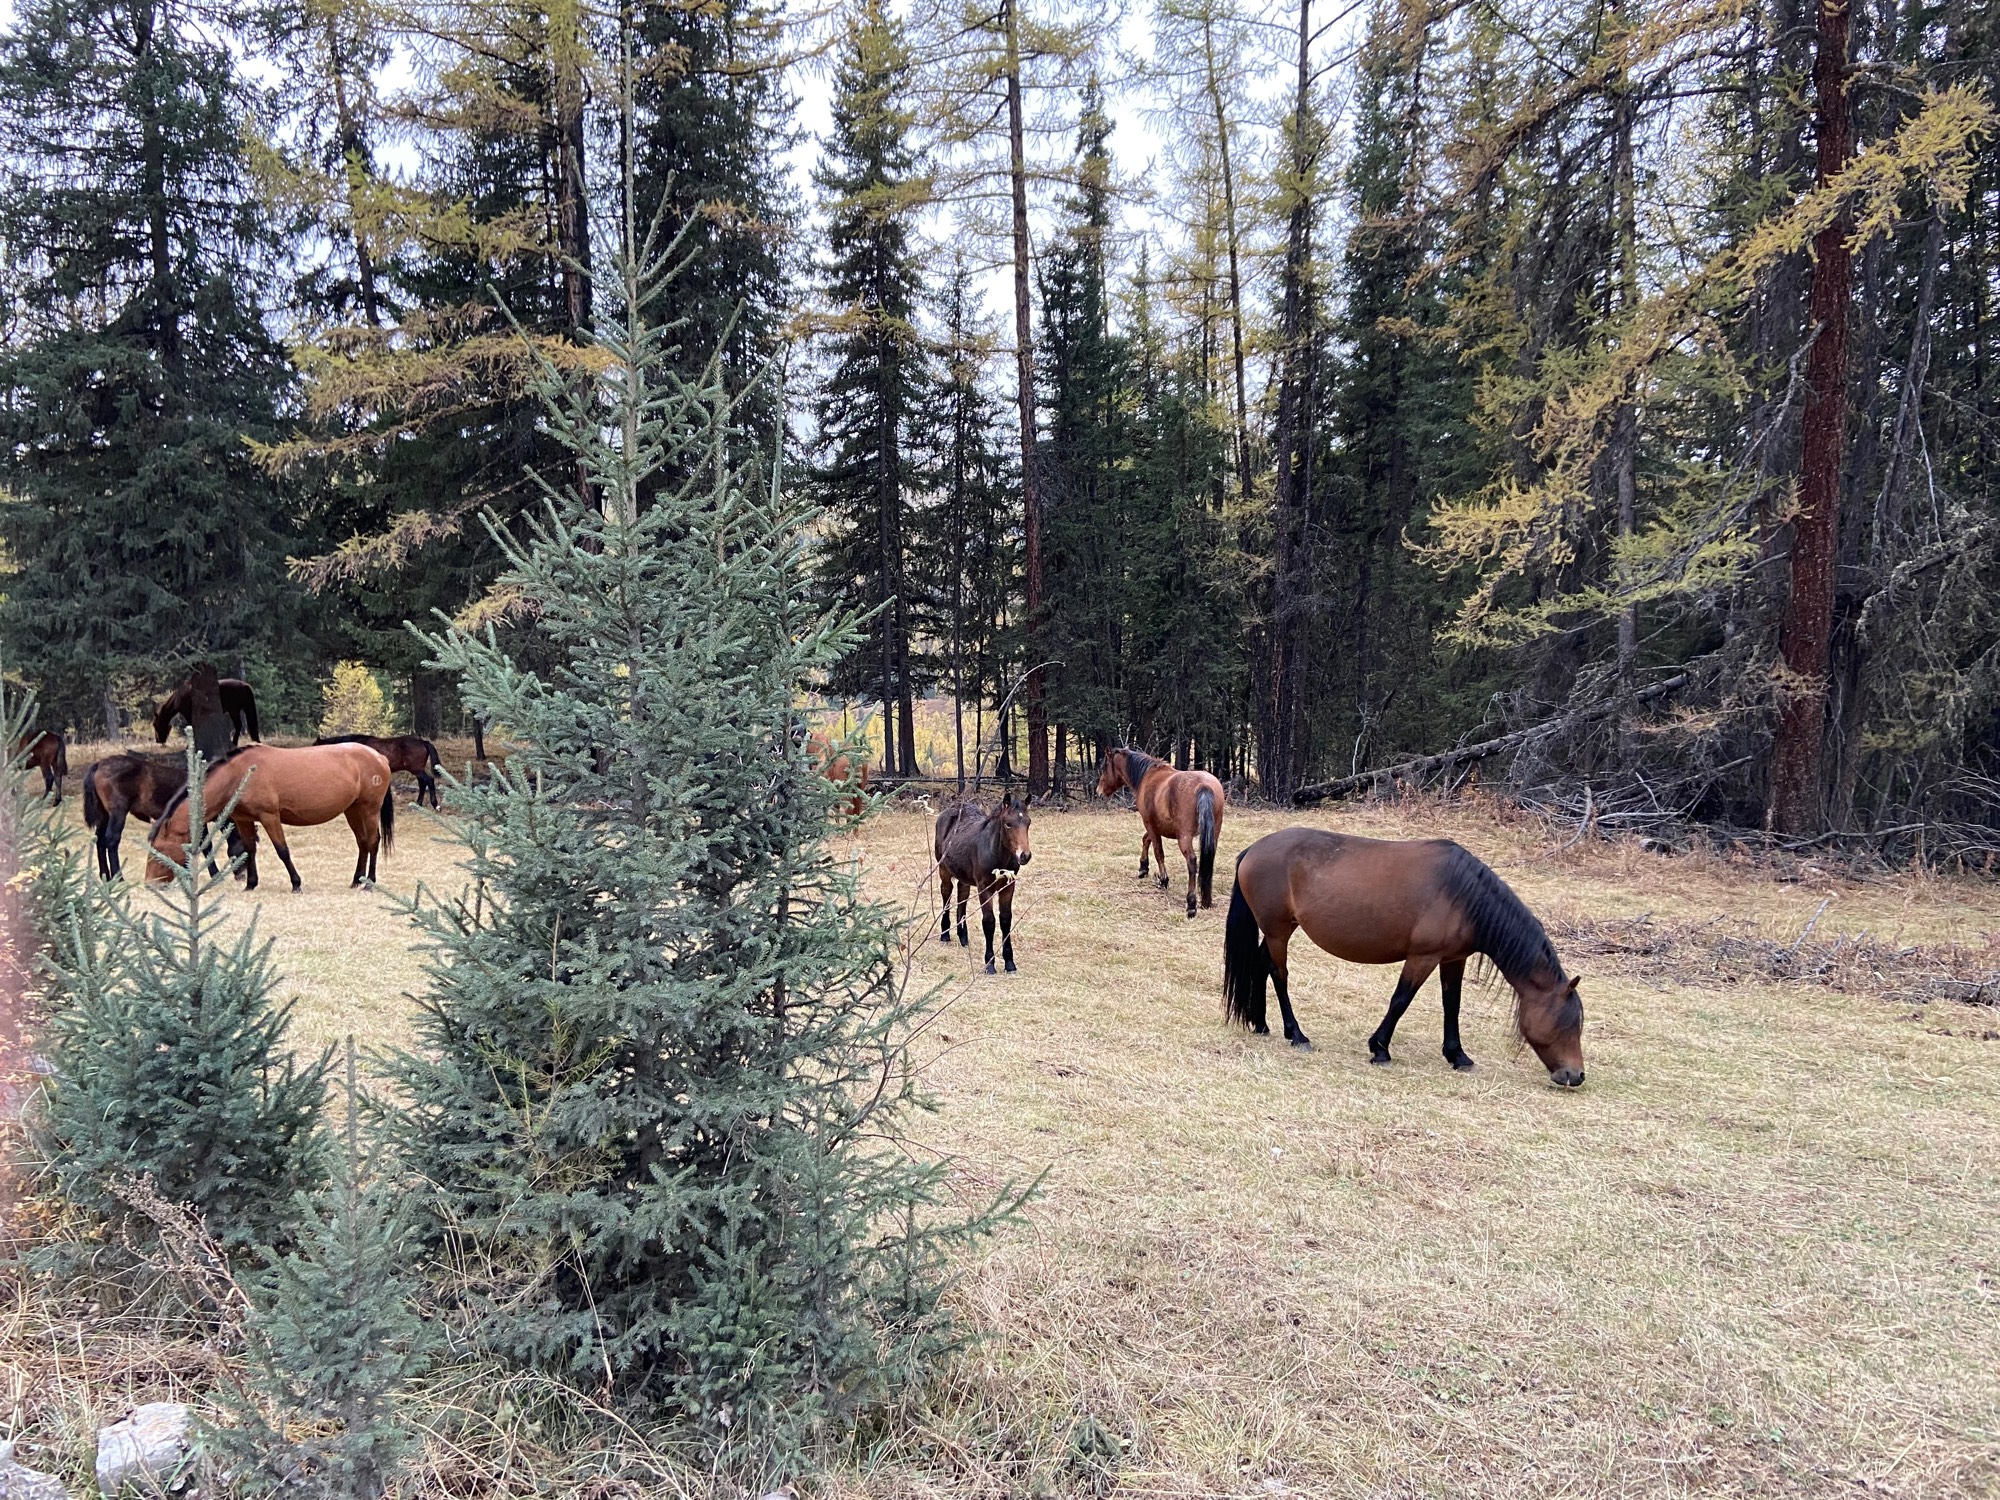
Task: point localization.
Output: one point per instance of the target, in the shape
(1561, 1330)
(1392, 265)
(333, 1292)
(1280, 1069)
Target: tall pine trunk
(1805, 634)
(1024, 363)
(1291, 573)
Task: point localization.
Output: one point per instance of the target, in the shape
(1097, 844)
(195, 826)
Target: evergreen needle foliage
(662, 1059)
(332, 1341)
(172, 1060)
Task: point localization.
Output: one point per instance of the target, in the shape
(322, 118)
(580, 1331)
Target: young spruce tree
(662, 1059)
(173, 1062)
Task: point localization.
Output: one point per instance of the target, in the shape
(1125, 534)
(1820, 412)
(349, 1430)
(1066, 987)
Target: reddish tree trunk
(1807, 629)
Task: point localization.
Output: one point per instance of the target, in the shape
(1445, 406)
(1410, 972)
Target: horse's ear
(1575, 980)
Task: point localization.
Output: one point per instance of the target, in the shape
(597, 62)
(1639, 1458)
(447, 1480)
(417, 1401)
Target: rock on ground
(18, 1482)
(146, 1447)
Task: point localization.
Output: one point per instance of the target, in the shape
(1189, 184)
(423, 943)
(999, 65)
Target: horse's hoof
(1260, 1031)
(1302, 1043)
(989, 966)
(1461, 1063)
(944, 937)
(1010, 968)
(1379, 1058)
(1166, 884)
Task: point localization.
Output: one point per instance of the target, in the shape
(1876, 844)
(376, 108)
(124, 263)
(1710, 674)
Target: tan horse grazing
(975, 848)
(302, 787)
(1427, 904)
(836, 767)
(48, 753)
(1182, 805)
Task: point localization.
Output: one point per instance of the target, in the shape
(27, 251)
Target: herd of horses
(1429, 905)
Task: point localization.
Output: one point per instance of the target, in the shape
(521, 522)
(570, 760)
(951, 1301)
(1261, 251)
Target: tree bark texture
(1024, 364)
(1806, 632)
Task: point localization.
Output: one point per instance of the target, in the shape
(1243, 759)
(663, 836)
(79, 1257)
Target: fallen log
(1445, 760)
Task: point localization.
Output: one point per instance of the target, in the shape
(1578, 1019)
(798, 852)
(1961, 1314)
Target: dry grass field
(1759, 1254)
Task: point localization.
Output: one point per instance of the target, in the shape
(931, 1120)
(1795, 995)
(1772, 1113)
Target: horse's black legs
(1194, 878)
(427, 784)
(284, 853)
(964, 900)
(944, 907)
(986, 918)
(1160, 853)
(1278, 947)
(109, 836)
(1450, 977)
(1006, 924)
(1145, 853)
(1415, 972)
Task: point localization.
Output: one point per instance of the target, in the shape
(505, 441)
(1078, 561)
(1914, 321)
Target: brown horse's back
(302, 785)
(1369, 901)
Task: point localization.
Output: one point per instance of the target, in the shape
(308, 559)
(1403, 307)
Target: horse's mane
(182, 795)
(1502, 926)
(356, 739)
(1137, 764)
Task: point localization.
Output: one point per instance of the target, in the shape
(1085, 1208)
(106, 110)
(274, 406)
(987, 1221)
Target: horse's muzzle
(1025, 857)
(1566, 1078)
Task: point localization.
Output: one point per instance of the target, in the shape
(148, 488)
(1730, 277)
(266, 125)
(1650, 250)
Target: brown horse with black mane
(274, 786)
(1185, 806)
(842, 772)
(404, 752)
(47, 752)
(1427, 904)
(120, 786)
(218, 711)
(977, 848)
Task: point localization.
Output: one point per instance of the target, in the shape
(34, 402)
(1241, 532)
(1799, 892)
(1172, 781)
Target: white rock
(145, 1448)
(18, 1482)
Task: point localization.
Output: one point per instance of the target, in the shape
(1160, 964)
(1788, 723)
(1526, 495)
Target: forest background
(1425, 373)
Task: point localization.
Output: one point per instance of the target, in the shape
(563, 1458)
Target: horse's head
(163, 718)
(1112, 776)
(1550, 1015)
(168, 840)
(1011, 820)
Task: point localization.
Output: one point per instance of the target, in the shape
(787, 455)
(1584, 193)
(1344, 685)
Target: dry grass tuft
(1759, 1254)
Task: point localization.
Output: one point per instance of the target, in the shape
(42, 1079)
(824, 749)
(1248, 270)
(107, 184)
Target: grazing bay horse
(838, 769)
(122, 785)
(404, 752)
(1427, 904)
(218, 711)
(1182, 805)
(977, 848)
(48, 753)
(302, 787)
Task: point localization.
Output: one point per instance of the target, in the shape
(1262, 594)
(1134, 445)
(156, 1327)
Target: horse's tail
(432, 751)
(1204, 827)
(62, 756)
(250, 716)
(93, 810)
(389, 819)
(1246, 966)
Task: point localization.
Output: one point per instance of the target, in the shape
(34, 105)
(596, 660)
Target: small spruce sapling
(662, 1060)
(332, 1341)
(172, 1059)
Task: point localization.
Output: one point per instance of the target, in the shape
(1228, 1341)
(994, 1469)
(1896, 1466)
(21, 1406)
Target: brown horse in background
(47, 752)
(120, 786)
(274, 786)
(218, 711)
(404, 752)
(1185, 806)
(1427, 904)
(838, 769)
(974, 847)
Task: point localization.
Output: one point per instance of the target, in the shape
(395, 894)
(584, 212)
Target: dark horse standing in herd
(219, 711)
(47, 752)
(404, 752)
(122, 786)
(1426, 904)
(985, 850)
